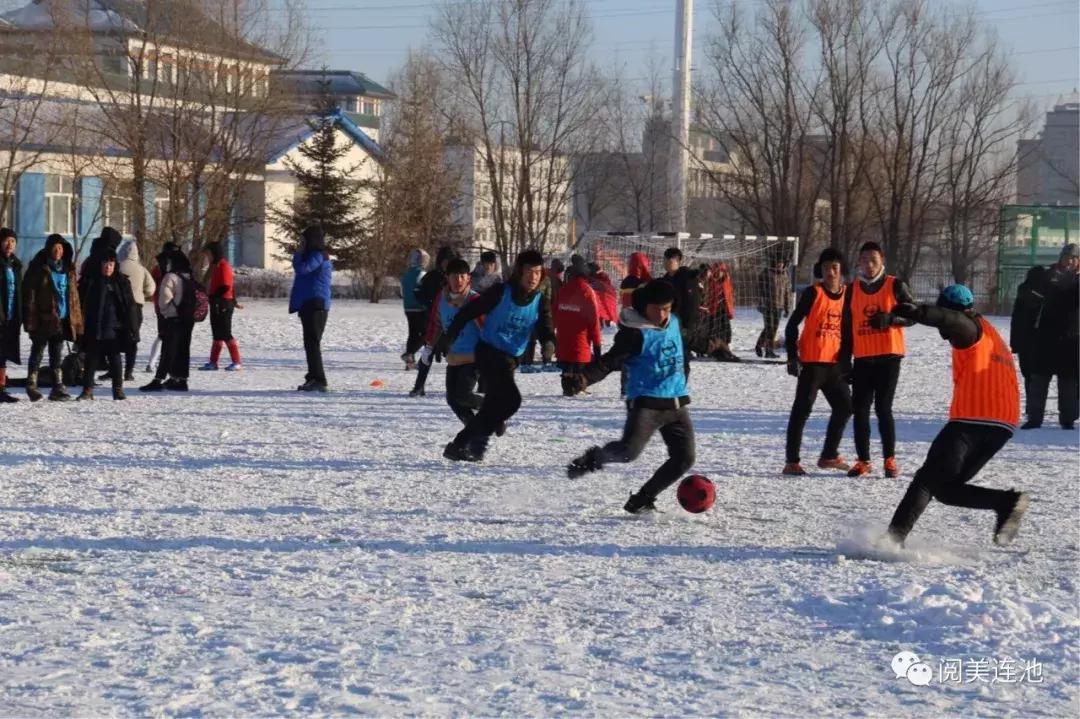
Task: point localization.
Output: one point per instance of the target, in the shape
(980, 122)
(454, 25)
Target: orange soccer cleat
(860, 468)
(834, 463)
(891, 468)
(793, 469)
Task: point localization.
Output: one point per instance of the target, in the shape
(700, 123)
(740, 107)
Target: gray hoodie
(142, 283)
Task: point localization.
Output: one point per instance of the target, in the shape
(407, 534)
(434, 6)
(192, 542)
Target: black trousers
(827, 379)
(417, 321)
(461, 391)
(131, 349)
(772, 324)
(956, 455)
(38, 344)
(678, 434)
(569, 369)
(1037, 387)
(221, 314)
(873, 382)
(501, 399)
(175, 349)
(108, 350)
(313, 322)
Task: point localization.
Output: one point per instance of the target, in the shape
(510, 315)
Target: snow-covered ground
(250, 550)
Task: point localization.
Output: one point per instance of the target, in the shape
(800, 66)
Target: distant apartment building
(1048, 170)
(473, 210)
(361, 99)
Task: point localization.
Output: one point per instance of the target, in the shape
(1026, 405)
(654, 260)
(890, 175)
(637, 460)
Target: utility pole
(679, 157)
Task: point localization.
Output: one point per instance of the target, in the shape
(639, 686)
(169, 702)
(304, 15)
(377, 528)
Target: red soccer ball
(696, 493)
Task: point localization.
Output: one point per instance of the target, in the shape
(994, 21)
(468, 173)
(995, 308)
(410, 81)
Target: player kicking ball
(984, 413)
(650, 346)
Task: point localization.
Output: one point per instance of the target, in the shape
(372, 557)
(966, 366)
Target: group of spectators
(1045, 336)
(97, 311)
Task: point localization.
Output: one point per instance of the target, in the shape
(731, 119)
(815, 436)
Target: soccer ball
(696, 493)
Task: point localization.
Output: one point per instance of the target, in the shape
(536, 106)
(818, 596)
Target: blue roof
(299, 129)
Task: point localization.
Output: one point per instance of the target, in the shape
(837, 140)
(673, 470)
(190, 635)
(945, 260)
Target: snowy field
(250, 550)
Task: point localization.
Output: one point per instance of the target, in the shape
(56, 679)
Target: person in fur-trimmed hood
(650, 345)
(52, 312)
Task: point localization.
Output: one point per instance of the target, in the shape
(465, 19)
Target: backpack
(71, 369)
(195, 303)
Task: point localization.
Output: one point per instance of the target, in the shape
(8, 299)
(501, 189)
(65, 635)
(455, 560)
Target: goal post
(745, 256)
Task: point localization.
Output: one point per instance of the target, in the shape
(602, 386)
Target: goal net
(744, 256)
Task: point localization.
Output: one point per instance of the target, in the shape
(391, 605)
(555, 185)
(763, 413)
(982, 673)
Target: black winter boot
(86, 395)
(118, 392)
(457, 453)
(59, 393)
(155, 385)
(1008, 520)
(176, 385)
(32, 388)
(591, 461)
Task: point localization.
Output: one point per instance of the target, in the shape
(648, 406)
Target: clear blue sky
(373, 36)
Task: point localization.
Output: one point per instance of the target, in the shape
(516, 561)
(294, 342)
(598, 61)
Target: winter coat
(577, 321)
(94, 294)
(429, 287)
(108, 241)
(221, 281)
(637, 274)
(687, 305)
(1056, 335)
(10, 323)
(171, 294)
(40, 301)
(312, 281)
(409, 282)
(774, 290)
(142, 282)
(606, 297)
(719, 293)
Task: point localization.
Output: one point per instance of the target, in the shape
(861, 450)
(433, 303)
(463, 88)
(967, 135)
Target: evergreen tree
(325, 194)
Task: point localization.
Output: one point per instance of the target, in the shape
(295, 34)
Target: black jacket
(95, 291)
(688, 293)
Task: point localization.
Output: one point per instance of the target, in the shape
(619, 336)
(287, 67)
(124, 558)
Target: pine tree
(325, 194)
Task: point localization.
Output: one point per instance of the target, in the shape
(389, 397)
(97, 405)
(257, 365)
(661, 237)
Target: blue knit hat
(956, 297)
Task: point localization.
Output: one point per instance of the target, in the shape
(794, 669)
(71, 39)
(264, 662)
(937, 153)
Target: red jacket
(637, 274)
(577, 321)
(606, 296)
(221, 275)
(720, 293)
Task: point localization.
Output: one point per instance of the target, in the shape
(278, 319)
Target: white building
(76, 181)
(473, 208)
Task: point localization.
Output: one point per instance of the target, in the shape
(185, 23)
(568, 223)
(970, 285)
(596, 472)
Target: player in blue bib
(511, 311)
(650, 346)
(461, 374)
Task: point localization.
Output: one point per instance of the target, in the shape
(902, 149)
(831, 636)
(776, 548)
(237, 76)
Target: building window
(161, 206)
(115, 64)
(59, 195)
(369, 107)
(117, 206)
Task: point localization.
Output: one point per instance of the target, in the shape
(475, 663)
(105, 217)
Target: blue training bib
(658, 370)
(470, 334)
(508, 327)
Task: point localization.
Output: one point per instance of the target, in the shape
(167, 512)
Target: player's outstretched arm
(628, 342)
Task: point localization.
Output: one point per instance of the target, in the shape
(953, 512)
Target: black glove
(442, 345)
(548, 352)
(881, 321)
(793, 367)
(906, 310)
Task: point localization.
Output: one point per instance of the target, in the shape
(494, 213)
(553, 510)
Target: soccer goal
(745, 256)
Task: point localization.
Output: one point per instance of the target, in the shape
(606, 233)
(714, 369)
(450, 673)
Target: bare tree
(758, 103)
(525, 97)
(25, 123)
(980, 162)
(849, 47)
(925, 59)
(414, 195)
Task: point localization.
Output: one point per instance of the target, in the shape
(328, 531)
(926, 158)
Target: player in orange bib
(877, 349)
(984, 413)
(814, 358)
